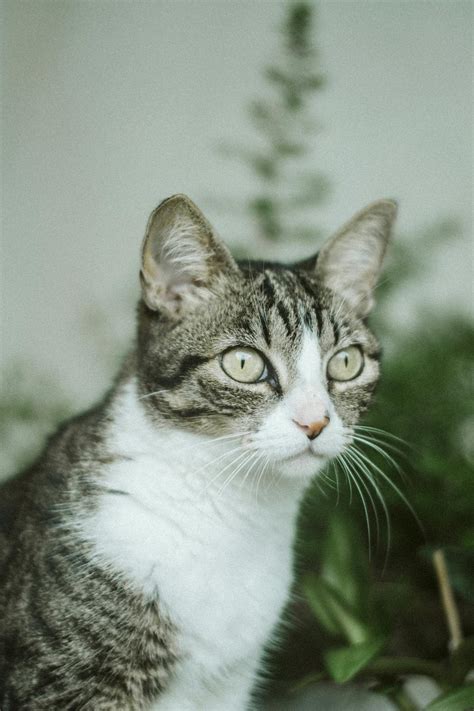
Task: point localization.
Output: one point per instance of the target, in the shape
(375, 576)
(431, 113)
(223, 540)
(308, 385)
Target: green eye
(243, 364)
(346, 364)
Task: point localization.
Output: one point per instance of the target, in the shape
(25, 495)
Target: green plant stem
(399, 666)
(449, 603)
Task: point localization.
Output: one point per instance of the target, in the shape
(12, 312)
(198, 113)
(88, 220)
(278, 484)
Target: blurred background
(280, 120)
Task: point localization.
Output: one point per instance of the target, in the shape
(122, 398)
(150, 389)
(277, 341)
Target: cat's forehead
(285, 303)
(270, 308)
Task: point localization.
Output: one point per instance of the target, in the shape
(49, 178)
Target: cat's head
(279, 353)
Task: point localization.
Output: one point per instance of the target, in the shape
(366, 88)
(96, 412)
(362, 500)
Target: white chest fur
(218, 554)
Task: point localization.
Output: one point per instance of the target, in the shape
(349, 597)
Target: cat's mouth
(294, 457)
(307, 451)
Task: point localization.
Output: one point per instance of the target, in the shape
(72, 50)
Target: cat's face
(278, 353)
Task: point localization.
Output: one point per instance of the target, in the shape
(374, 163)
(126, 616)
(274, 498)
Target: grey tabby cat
(146, 557)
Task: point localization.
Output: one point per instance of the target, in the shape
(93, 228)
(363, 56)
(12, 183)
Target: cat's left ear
(350, 262)
(181, 257)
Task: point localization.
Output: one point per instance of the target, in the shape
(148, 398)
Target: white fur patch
(218, 555)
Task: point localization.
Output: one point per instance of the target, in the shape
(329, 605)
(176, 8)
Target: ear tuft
(350, 262)
(181, 255)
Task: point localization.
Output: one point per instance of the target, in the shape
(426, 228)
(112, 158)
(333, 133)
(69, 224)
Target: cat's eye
(346, 364)
(243, 364)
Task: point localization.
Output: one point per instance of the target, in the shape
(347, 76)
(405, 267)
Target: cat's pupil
(346, 360)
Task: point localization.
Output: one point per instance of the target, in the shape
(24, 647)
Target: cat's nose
(313, 429)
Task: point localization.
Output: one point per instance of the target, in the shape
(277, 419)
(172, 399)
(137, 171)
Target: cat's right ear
(181, 257)
(349, 263)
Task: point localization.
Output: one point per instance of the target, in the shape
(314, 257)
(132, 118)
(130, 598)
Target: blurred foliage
(282, 160)
(30, 408)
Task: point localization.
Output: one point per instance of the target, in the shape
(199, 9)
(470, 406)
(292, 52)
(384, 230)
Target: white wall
(111, 106)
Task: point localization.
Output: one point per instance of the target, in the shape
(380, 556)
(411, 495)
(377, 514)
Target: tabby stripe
(308, 287)
(376, 355)
(335, 328)
(194, 411)
(265, 331)
(187, 365)
(319, 319)
(285, 317)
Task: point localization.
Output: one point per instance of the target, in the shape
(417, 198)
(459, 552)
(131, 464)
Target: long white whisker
(390, 482)
(214, 461)
(256, 463)
(236, 459)
(369, 443)
(394, 487)
(234, 472)
(365, 471)
(384, 433)
(155, 392)
(351, 474)
(261, 474)
(379, 440)
(360, 474)
(216, 440)
(349, 479)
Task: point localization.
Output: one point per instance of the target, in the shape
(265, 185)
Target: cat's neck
(204, 466)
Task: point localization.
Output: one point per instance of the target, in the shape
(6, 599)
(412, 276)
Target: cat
(146, 557)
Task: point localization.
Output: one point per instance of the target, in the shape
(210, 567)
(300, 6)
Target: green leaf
(343, 664)
(461, 699)
(335, 615)
(345, 563)
(319, 598)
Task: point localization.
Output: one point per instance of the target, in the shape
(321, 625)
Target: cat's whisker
(155, 392)
(395, 488)
(216, 441)
(381, 443)
(242, 483)
(382, 433)
(376, 447)
(271, 479)
(325, 477)
(233, 474)
(366, 479)
(331, 476)
(349, 480)
(358, 471)
(351, 475)
(212, 462)
(371, 480)
(236, 459)
(261, 474)
(318, 484)
(336, 473)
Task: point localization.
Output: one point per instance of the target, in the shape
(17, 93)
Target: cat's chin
(305, 464)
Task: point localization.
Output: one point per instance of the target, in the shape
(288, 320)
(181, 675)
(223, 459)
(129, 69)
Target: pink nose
(314, 429)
